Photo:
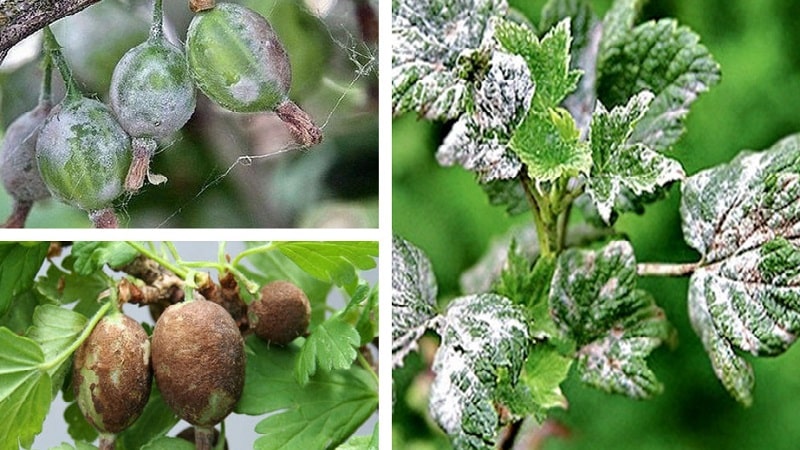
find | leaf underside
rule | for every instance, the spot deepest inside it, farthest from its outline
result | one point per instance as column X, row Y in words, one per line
column 595, row 302
column 744, row 219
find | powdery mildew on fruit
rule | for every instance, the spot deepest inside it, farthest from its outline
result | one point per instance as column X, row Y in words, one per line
column 743, row 218
column 413, row 297
column 594, row 300
column 481, row 335
column 428, row 39
column 18, row 167
column 479, row 140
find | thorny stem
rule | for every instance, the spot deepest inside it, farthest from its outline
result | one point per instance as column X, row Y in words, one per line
column 666, row 269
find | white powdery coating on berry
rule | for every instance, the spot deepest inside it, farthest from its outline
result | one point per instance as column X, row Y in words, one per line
column 245, row 90
column 18, row 167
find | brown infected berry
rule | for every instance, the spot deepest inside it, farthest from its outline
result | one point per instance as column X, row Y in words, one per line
column 281, row 314
column 111, row 373
column 198, row 361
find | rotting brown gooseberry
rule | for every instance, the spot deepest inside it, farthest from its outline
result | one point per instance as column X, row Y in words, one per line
column 112, row 376
column 198, row 362
column 281, row 314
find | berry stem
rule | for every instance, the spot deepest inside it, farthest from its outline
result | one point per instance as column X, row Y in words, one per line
column 107, row 441
column 666, row 269
column 157, row 27
column 46, row 92
column 54, row 49
column 104, row 218
column 19, row 214
column 203, row 438
column 143, row 151
column 300, row 124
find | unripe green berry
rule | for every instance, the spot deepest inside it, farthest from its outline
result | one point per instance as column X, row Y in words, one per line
column 281, row 314
column 111, row 373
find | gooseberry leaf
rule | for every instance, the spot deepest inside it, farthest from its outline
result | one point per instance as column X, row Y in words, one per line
column 25, row 390
column 78, row 446
column 332, row 345
column 156, row 420
column 19, row 263
column 485, row 341
column 321, row 414
column 595, row 302
column 434, row 53
column 545, row 370
column 413, row 297
column 620, row 166
column 658, row 56
column 55, row 329
column 92, row 256
column 744, row 219
column 169, row 443
column 479, row 139
column 333, row 262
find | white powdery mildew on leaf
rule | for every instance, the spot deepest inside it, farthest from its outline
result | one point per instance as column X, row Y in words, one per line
column 479, row 141
column 481, row 335
column 413, row 297
column 428, row 38
column 744, row 218
column 595, row 302
column 619, row 166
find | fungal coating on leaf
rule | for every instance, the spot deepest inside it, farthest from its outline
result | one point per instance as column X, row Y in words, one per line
column 83, row 154
column 282, row 313
column 198, row 361
column 237, row 59
column 18, row 167
column 111, row 373
column 152, row 92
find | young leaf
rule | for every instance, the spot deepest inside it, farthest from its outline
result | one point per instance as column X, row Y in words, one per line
column 744, row 219
column 660, row 57
column 544, row 372
column 321, row 414
column 595, row 302
column 334, row 262
column 484, row 338
column 413, row 297
column 92, row 256
column 25, row 390
column 19, row 263
column 619, row 166
column 478, row 141
column 332, row 345
column 432, row 44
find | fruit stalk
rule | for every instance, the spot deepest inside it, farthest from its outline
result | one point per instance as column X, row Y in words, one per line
column 54, row 50
column 203, row 438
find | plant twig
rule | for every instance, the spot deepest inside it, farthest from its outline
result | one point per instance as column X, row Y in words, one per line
column 21, row 18
column 666, row 269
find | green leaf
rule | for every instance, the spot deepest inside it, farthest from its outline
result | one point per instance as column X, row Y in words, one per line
column 413, row 297
column 63, row 286
column 367, row 324
column 25, row 390
column 332, row 345
column 549, row 152
column 545, row 370
column 78, row 446
column 77, row 426
column 155, row 421
column 484, row 340
column 91, row 256
column 548, row 59
column 478, row 141
column 20, row 317
column 169, row 443
column 321, row 414
column 265, row 267
column 595, row 302
column 334, row 262
column 617, row 24
column 55, row 329
column 432, row 44
column 660, row 57
column 620, row 167
column 744, row 219
column 19, row 263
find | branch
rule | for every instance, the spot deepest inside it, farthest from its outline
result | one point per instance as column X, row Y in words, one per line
column 666, row 270
column 21, row 18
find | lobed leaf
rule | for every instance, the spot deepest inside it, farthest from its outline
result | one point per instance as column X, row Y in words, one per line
column 334, row 262
column 19, row 264
column 433, row 45
column 595, row 302
column 621, row 168
column 332, row 345
column 169, row 443
column 660, row 57
column 545, row 370
column 478, row 141
column 321, row 414
column 55, row 329
column 92, row 256
column 744, row 219
column 484, row 339
column 413, row 297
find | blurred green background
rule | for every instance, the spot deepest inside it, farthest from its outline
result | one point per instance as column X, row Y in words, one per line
column 334, row 71
column 444, row 211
